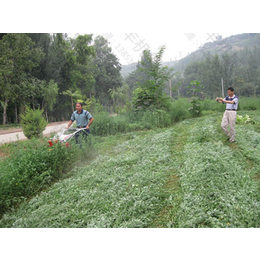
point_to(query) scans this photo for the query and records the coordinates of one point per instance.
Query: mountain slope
(233, 43)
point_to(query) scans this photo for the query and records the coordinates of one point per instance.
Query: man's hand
(70, 123)
(90, 122)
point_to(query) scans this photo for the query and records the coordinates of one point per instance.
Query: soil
(2, 154)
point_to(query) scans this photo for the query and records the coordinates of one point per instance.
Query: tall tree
(84, 71)
(228, 67)
(107, 71)
(18, 57)
(150, 95)
(50, 93)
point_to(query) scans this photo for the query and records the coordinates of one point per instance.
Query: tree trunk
(33, 103)
(170, 89)
(4, 113)
(16, 114)
(72, 105)
(46, 113)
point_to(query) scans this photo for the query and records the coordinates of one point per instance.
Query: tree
(119, 97)
(73, 96)
(196, 93)
(228, 66)
(107, 71)
(253, 71)
(149, 94)
(216, 77)
(18, 57)
(33, 123)
(50, 93)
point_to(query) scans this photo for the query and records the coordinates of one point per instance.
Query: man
(84, 119)
(230, 115)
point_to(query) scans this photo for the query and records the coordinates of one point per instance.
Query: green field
(183, 176)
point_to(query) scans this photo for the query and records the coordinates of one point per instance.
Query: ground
(15, 130)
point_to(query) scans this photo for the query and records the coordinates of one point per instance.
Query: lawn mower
(64, 136)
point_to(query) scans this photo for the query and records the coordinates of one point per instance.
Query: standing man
(230, 115)
(84, 119)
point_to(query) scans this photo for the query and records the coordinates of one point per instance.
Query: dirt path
(12, 135)
(16, 130)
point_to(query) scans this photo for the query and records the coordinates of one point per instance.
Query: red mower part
(50, 143)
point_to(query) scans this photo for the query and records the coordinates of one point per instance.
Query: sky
(128, 47)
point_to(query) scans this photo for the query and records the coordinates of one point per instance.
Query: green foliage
(119, 97)
(239, 69)
(107, 72)
(149, 94)
(33, 123)
(50, 93)
(18, 57)
(187, 176)
(32, 167)
(131, 120)
(121, 188)
(249, 104)
(214, 194)
(196, 93)
(244, 120)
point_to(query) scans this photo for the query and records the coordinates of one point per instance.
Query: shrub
(32, 167)
(33, 123)
(179, 110)
(249, 104)
(196, 91)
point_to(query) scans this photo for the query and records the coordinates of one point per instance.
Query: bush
(33, 123)
(32, 167)
(249, 104)
(179, 110)
(108, 125)
(212, 105)
(140, 120)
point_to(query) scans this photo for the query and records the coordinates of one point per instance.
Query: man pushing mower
(84, 120)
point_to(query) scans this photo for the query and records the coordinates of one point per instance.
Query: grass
(106, 125)
(31, 166)
(183, 176)
(120, 188)
(218, 180)
(9, 126)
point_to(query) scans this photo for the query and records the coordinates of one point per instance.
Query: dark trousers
(82, 135)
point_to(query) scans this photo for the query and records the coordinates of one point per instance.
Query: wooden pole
(223, 94)
(170, 88)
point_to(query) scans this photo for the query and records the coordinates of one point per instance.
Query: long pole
(223, 88)
(170, 83)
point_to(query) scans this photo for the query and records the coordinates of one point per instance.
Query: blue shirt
(232, 106)
(82, 118)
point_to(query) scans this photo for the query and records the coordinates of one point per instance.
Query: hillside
(127, 69)
(233, 43)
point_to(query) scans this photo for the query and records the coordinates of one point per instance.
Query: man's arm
(70, 123)
(90, 122)
(227, 102)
